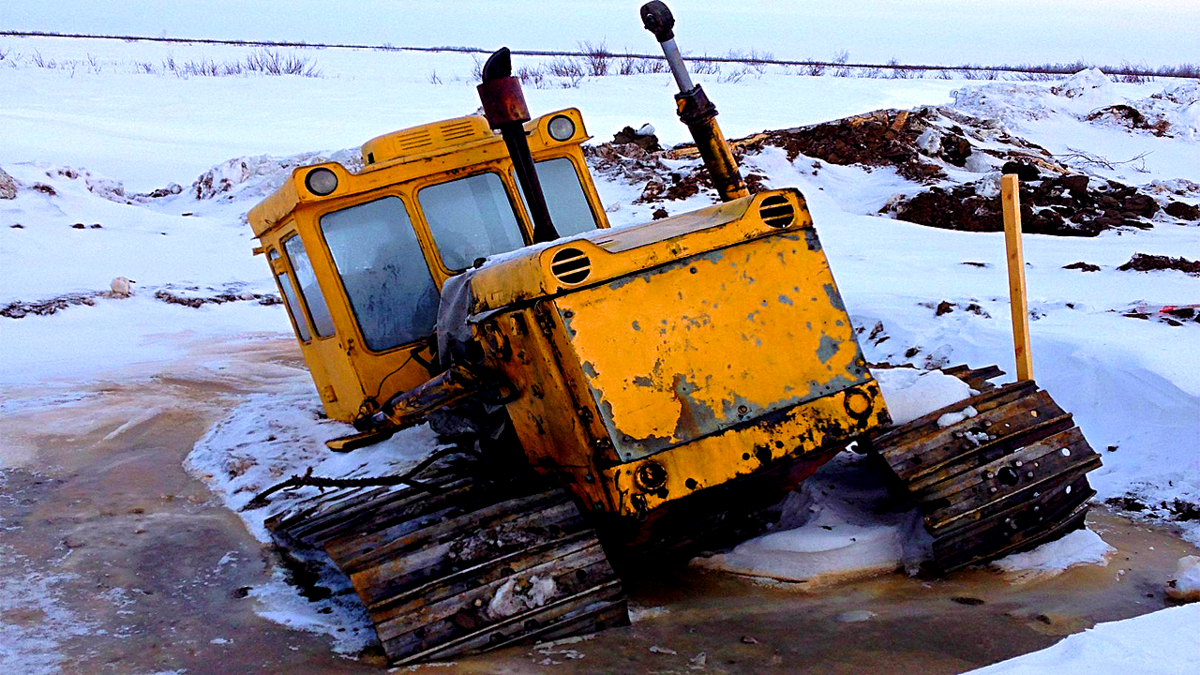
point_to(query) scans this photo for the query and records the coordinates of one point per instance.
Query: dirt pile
(633, 163)
(174, 296)
(1143, 262)
(20, 309)
(8, 186)
(1132, 118)
(1067, 205)
(881, 138)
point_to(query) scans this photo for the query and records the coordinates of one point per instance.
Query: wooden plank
(896, 440)
(404, 598)
(1061, 510)
(1010, 198)
(1045, 462)
(609, 593)
(942, 446)
(1048, 497)
(356, 552)
(1015, 433)
(443, 619)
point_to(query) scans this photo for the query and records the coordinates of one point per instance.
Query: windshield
(568, 206)
(386, 277)
(470, 218)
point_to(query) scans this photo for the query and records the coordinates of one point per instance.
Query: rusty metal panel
(688, 349)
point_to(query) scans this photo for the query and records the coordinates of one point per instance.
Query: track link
(462, 567)
(1007, 479)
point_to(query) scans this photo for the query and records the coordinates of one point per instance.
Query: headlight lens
(321, 182)
(561, 128)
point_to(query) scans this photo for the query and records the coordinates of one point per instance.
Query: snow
(33, 619)
(1186, 586)
(1166, 642)
(1082, 547)
(910, 393)
(840, 523)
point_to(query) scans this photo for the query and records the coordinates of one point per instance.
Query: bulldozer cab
(360, 258)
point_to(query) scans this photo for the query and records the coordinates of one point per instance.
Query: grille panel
(571, 266)
(777, 211)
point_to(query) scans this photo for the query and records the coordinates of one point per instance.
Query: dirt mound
(882, 138)
(8, 185)
(20, 309)
(1069, 205)
(1142, 262)
(1128, 116)
(194, 297)
(632, 162)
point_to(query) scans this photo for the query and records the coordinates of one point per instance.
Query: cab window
(565, 199)
(322, 322)
(387, 280)
(290, 301)
(470, 218)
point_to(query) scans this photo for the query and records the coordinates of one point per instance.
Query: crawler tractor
(647, 388)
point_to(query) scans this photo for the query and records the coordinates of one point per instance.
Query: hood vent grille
(777, 211)
(571, 266)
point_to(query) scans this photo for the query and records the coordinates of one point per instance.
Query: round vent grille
(571, 266)
(777, 211)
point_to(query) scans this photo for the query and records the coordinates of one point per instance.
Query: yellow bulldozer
(608, 394)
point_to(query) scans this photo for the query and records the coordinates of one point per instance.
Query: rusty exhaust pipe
(694, 108)
(505, 110)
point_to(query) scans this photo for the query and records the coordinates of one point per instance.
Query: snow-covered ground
(90, 144)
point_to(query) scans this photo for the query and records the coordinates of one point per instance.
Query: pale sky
(1154, 32)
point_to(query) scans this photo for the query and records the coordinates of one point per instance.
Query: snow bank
(910, 393)
(265, 440)
(1166, 642)
(270, 437)
(842, 524)
(1082, 547)
(1185, 587)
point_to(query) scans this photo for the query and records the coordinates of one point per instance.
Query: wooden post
(1011, 202)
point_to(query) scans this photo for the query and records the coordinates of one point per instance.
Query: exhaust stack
(505, 110)
(694, 108)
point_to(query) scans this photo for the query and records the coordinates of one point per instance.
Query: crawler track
(1009, 478)
(463, 566)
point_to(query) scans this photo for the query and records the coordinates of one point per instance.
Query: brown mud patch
(1144, 262)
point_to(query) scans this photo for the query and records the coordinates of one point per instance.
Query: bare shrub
(534, 77)
(705, 66)
(433, 78)
(565, 67)
(640, 65)
(596, 58)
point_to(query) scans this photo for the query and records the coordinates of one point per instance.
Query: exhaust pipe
(505, 110)
(694, 108)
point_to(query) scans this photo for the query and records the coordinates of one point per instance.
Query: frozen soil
(135, 567)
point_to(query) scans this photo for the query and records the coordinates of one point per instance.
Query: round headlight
(321, 182)
(561, 128)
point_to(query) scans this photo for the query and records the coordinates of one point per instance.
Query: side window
(470, 218)
(307, 281)
(565, 199)
(385, 274)
(289, 299)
